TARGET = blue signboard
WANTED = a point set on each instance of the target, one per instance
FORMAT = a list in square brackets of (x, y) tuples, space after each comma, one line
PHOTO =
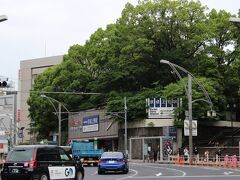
[(169, 102), (172, 131), (163, 102), (151, 102), (157, 102), (90, 123), (20, 135), (175, 102)]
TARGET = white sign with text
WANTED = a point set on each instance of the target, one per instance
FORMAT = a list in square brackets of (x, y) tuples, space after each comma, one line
[(186, 127), (162, 107), (67, 172)]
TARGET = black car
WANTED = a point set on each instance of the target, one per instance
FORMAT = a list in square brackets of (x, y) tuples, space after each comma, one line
[(40, 162)]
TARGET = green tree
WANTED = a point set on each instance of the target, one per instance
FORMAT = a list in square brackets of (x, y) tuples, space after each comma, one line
[(123, 60)]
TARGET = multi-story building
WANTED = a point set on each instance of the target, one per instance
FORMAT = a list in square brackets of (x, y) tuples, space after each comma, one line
[(8, 114), (29, 69)]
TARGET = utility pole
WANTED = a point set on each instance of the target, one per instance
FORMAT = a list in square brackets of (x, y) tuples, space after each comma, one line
[(59, 123), (190, 117), (125, 124)]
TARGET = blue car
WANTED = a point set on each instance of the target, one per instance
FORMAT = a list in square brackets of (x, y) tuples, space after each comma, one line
[(113, 161)]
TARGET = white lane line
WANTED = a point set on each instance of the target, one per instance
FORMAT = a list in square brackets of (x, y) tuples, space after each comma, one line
[(94, 173), (160, 167), (227, 173), (159, 174), (165, 177), (132, 176), (202, 167)]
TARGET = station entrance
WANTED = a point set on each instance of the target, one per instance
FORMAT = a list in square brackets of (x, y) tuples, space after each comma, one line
[(157, 148)]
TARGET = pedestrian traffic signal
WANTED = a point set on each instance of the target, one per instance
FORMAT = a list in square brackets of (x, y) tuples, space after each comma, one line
[(211, 113)]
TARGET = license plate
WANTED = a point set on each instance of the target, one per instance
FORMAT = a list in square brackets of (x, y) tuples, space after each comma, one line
[(15, 170), (111, 162)]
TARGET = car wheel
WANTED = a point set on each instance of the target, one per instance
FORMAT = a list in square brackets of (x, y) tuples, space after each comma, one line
[(125, 171), (43, 177), (79, 176)]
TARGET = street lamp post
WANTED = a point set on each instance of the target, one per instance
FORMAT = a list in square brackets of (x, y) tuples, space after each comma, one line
[(190, 101), (58, 113), (125, 123), (190, 117)]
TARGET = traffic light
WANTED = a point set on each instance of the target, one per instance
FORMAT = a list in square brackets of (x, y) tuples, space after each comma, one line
[(3, 84)]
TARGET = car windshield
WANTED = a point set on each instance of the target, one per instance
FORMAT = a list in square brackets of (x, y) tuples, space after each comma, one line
[(112, 155), (20, 155)]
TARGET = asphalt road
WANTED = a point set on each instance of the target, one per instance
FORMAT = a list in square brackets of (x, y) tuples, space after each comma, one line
[(160, 171)]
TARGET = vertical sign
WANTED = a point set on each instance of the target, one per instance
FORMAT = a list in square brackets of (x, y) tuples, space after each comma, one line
[(18, 115)]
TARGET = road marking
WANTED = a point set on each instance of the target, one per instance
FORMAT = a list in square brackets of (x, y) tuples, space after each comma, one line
[(159, 174), (227, 173), (160, 167), (204, 176), (94, 173), (132, 176)]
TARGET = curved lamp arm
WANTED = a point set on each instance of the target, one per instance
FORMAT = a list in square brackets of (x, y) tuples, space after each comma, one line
[(174, 66), (50, 102), (44, 96)]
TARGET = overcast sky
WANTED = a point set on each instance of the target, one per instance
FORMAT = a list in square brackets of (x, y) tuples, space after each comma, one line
[(36, 29)]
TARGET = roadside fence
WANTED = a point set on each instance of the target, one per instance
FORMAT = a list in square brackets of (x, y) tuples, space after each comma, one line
[(227, 162)]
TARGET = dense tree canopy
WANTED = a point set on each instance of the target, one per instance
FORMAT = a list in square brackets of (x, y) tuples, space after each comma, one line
[(123, 60)]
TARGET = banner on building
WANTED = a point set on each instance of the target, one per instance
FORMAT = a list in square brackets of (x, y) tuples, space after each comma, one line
[(90, 123), (162, 107)]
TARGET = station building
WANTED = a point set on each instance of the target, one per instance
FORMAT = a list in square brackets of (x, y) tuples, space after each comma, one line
[(153, 134)]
